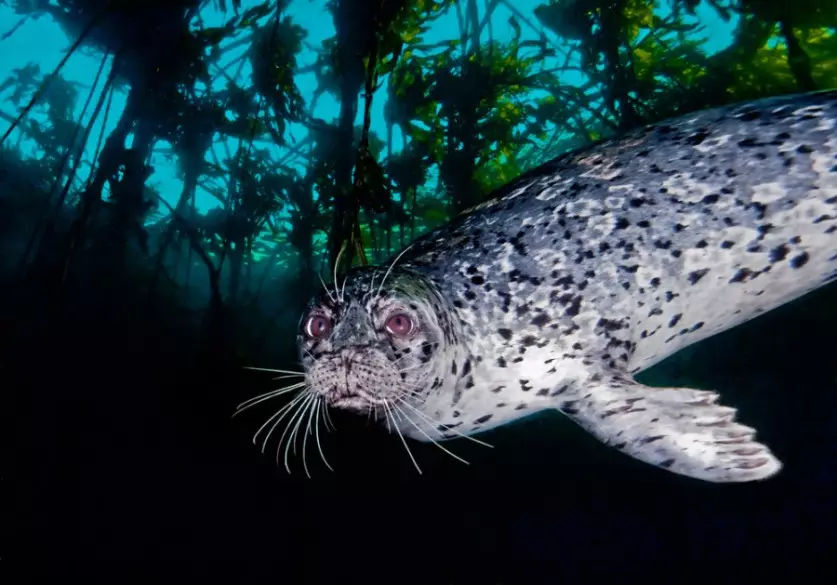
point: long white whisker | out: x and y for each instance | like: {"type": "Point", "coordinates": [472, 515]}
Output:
{"type": "Point", "coordinates": [403, 440]}
{"type": "Point", "coordinates": [386, 417]}
{"type": "Point", "coordinates": [328, 292]}
{"type": "Point", "coordinates": [429, 438]}
{"type": "Point", "coordinates": [432, 423]}
{"type": "Point", "coordinates": [266, 396]}
{"type": "Point", "coordinates": [285, 377]}
{"type": "Point", "coordinates": [311, 408]}
{"type": "Point", "coordinates": [320, 409]}
{"type": "Point", "coordinates": [391, 266]}
{"type": "Point", "coordinates": [343, 289]}
{"type": "Point", "coordinates": [278, 416]}
{"type": "Point", "coordinates": [327, 418]}
{"type": "Point", "coordinates": [336, 265]}
{"type": "Point", "coordinates": [297, 416]}
{"type": "Point", "coordinates": [372, 282]}
{"type": "Point", "coordinates": [289, 372]}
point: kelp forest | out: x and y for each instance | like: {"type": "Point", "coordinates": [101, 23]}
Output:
{"type": "Point", "coordinates": [131, 300]}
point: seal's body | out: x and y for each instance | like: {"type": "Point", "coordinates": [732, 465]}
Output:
{"type": "Point", "coordinates": [588, 270]}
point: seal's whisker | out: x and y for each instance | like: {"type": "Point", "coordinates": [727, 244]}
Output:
{"type": "Point", "coordinates": [417, 349]}
{"type": "Point", "coordinates": [311, 355]}
{"type": "Point", "coordinates": [431, 422]}
{"type": "Point", "coordinates": [327, 417]}
{"type": "Point", "coordinates": [273, 416]}
{"type": "Point", "coordinates": [280, 414]}
{"type": "Point", "coordinates": [386, 416]}
{"type": "Point", "coordinates": [328, 292]}
{"type": "Point", "coordinates": [312, 407]}
{"type": "Point", "coordinates": [289, 372]}
{"type": "Point", "coordinates": [429, 438]}
{"type": "Point", "coordinates": [320, 408]}
{"type": "Point", "coordinates": [286, 376]}
{"type": "Point", "coordinates": [250, 402]}
{"type": "Point", "coordinates": [293, 428]}
{"type": "Point", "coordinates": [391, 266]}
{"type": "Point", "coordinates": [343, 289]}
{"type": "Point", "coordinates": [304, 408]}
{"type": "Point", "coordinates": [403, 440]}
{"type": "Point", "coordinates": [371, 284]}
{"type": "Point", "coordinates": [336, 265]}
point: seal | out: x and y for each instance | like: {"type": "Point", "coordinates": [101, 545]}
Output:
{"type": "Point", "coordinates": [586, 271]}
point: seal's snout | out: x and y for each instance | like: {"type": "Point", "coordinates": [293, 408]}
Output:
{"type": "Point", "coordinates": [361, 376]}
{"type": "Point", "coordinates": [349, 380]}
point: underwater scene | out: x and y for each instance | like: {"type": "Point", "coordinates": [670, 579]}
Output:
{"type": "Point", "coordinates": [432, 291]}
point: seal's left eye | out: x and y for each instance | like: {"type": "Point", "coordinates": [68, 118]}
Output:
{"type": "Point", "coordinates": [317, 326]}
{"type": "Point", "coordinates": [400, 325]}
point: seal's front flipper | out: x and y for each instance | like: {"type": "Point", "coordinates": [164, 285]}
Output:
{"type": "Point", "coordinates": [678, 429]}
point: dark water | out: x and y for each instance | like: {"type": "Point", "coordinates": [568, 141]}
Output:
{"type": "Point", "coordinates": [131, 297]}
{"type": "Point", "coordinates": [127, 456]}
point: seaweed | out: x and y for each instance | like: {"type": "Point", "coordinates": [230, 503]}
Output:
{"type": "Point", "coordinates": [106, 269]}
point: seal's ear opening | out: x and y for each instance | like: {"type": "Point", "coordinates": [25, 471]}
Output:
{"type": "Point", "coordinates": [678, 429]}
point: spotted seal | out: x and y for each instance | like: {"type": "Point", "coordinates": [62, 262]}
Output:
{"type": "Point", "coordinates": [586, 271]}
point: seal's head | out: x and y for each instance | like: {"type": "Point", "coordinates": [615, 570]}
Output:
{"type": "Point", "coordinates": [365, 346]}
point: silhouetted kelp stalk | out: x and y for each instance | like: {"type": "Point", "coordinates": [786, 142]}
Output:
{"type": "Point", "coordinates": [70, 52]}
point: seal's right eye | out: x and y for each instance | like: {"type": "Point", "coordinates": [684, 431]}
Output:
{"type": "Point", "coordinates": [317, 326]}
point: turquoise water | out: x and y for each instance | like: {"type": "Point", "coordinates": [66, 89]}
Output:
{"type": "Point", "coordinates": [43, 42]}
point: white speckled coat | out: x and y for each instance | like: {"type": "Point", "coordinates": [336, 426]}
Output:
{"type": "Point", "coordinates": [601, 263]}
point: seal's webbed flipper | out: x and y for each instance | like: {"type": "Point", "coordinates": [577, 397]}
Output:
{"type": "Point", "coordinates": [678, 429]}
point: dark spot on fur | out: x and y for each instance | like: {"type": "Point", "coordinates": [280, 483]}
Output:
{"type": "Point", "coordinates": [540, 320]}
{"type": "Point", "coordinates": [800, 260]}
{"type": "Point", "coordinates": [696, 275]}
{"type": "Point", "coordinates": [698, 137]}
{"type": "Point", "coordinates": [779, 253]}
{"type": "Point", "coordinates": [741, 275]}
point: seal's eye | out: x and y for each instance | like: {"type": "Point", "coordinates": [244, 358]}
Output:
{"type": "Point", "coordinates": [400, 325]}
{"type": "Point", "coordinates": [317, 326]}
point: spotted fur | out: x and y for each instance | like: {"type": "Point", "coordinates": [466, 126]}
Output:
{"type": "Point", "coordinates": [599, 264]}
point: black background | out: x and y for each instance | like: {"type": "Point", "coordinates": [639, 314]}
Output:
{"type": "Point", "coordinates": [124, 457]}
